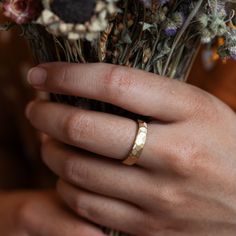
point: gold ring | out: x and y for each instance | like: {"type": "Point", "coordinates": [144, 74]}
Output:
{"type": "Point", "coordinates": [139, 144]}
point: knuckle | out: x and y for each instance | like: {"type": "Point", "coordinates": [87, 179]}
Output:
{"type": "Point", "coordinates": [186, 159]}
{"type": "Point", "coordinates": [64, 75]}
{"type": "Point", "coordinates": [78, 127]}
{"type": "Point", "coordinates": [77, 205]}
{"type": "Point", "coordinates": [150, 225]}
{"type": "Point", "coordinates": [117, 82]}
{"type": "Point", "coordinates": [169, 198]}
{"type": "Point", "coordinates": [76, 172]}
{"type": "Point", "coordinates": [70, 127]}
{"type": "Point", "coordinates": [24, 216]}
{"type": "Point", "coordinates": [69, 171]}
{"type": "Point", "coordinates": [201, 104]}
{"type": "Point", "coordinates": [87, 211]}
{"type": "Point", "coordinates": [84, 176]}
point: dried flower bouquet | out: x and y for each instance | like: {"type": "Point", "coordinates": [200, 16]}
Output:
{"type": "Point", "coordinates": [159, 36]}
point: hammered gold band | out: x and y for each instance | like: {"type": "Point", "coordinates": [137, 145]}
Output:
{"type": "Point", "coordinates": [139, 144]}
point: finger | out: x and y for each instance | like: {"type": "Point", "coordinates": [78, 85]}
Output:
{"type": "Point", "coordinates": [134, 90]}
{"type": "Point", "coordinates": [67, 225]}
{"type": "Point", "coordinates": [108, 212]}
{"type": "Point", "coordinates": [101, 176]}
{"type": "Point", "coordinates": [105, 134]}
{"type": "Point", "coordinates": [39, 214]}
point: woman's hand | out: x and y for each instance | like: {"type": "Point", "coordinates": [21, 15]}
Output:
{"type": "Point", "coordinates": [40, 213]}
{"type": "Point", "coordinates": [184, 182]}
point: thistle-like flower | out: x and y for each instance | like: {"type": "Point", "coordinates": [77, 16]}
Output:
{"type": "Point", "coordinates": [170, 29]}
{"type": "Point", "coordinates": [22, 11]}
{"type": "Point", "coordinates": [77, 19]}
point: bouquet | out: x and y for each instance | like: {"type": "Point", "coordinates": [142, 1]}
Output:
{"type": "Point", "coordinates": [158, 36]}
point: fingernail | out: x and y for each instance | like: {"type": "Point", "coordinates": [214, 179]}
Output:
{"type": "Point", "coordinates": [28, 109]}
{"type": "Point", "coordinates": [37, 76]}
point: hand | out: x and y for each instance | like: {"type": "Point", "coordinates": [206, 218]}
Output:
{"type": "Point", "coordinates": [184, 182]}
{"type": "Point", "coordinates": [40, 214]}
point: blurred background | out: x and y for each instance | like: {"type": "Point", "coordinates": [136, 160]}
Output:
{"type": "Point", "coordinates": [20, 165]}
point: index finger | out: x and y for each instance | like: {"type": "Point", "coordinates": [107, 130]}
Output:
{"type": "Point", "coordinates": [134, 90]}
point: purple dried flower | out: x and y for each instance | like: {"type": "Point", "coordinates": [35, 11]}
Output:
{"type": "Point", "coordinates": [22, 11]}
{"type": "Point", "coordinates": [174, 23]}
{"type": "Point", "coordinates": [170, 31]}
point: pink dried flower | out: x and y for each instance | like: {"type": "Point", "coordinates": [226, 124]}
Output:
{"type": "Point", "coordinates": [22, 11]}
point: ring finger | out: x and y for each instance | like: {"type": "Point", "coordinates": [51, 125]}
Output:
{"type": "Point", "coordinates": [101, 133]}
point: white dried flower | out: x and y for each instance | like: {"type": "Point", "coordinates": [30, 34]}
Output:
{"type": "Point", "coordinates": [89, 29]}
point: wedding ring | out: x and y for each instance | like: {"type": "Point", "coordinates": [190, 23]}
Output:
{"type": "Point", "coordinates": [139, 144]}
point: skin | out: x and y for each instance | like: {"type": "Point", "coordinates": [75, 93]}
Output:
{"type": "Point", "coordinates": [40, 213]}
{"type": "Point", "coordinates": [184, 182]}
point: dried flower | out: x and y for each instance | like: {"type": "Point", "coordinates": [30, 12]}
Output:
{"type": "Point", "coordinates": [170, 29]}
{"type": "Point", "coordinates": [147, 3]}
{"type": "Point", "coordinates": [232, 52]}
{"type": "Point", "coordinates": [212, 21]}
{"type": "Point", "coordinates": [228, 48]}
{"type": "Point", "coordinates": [163, 2]}
{"type": "Point", "coordinates": [88, 25]}
{"type": "Point", "coordinates": [171, 25]}
{"type": "Point", "coordinates": [22, 11]}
